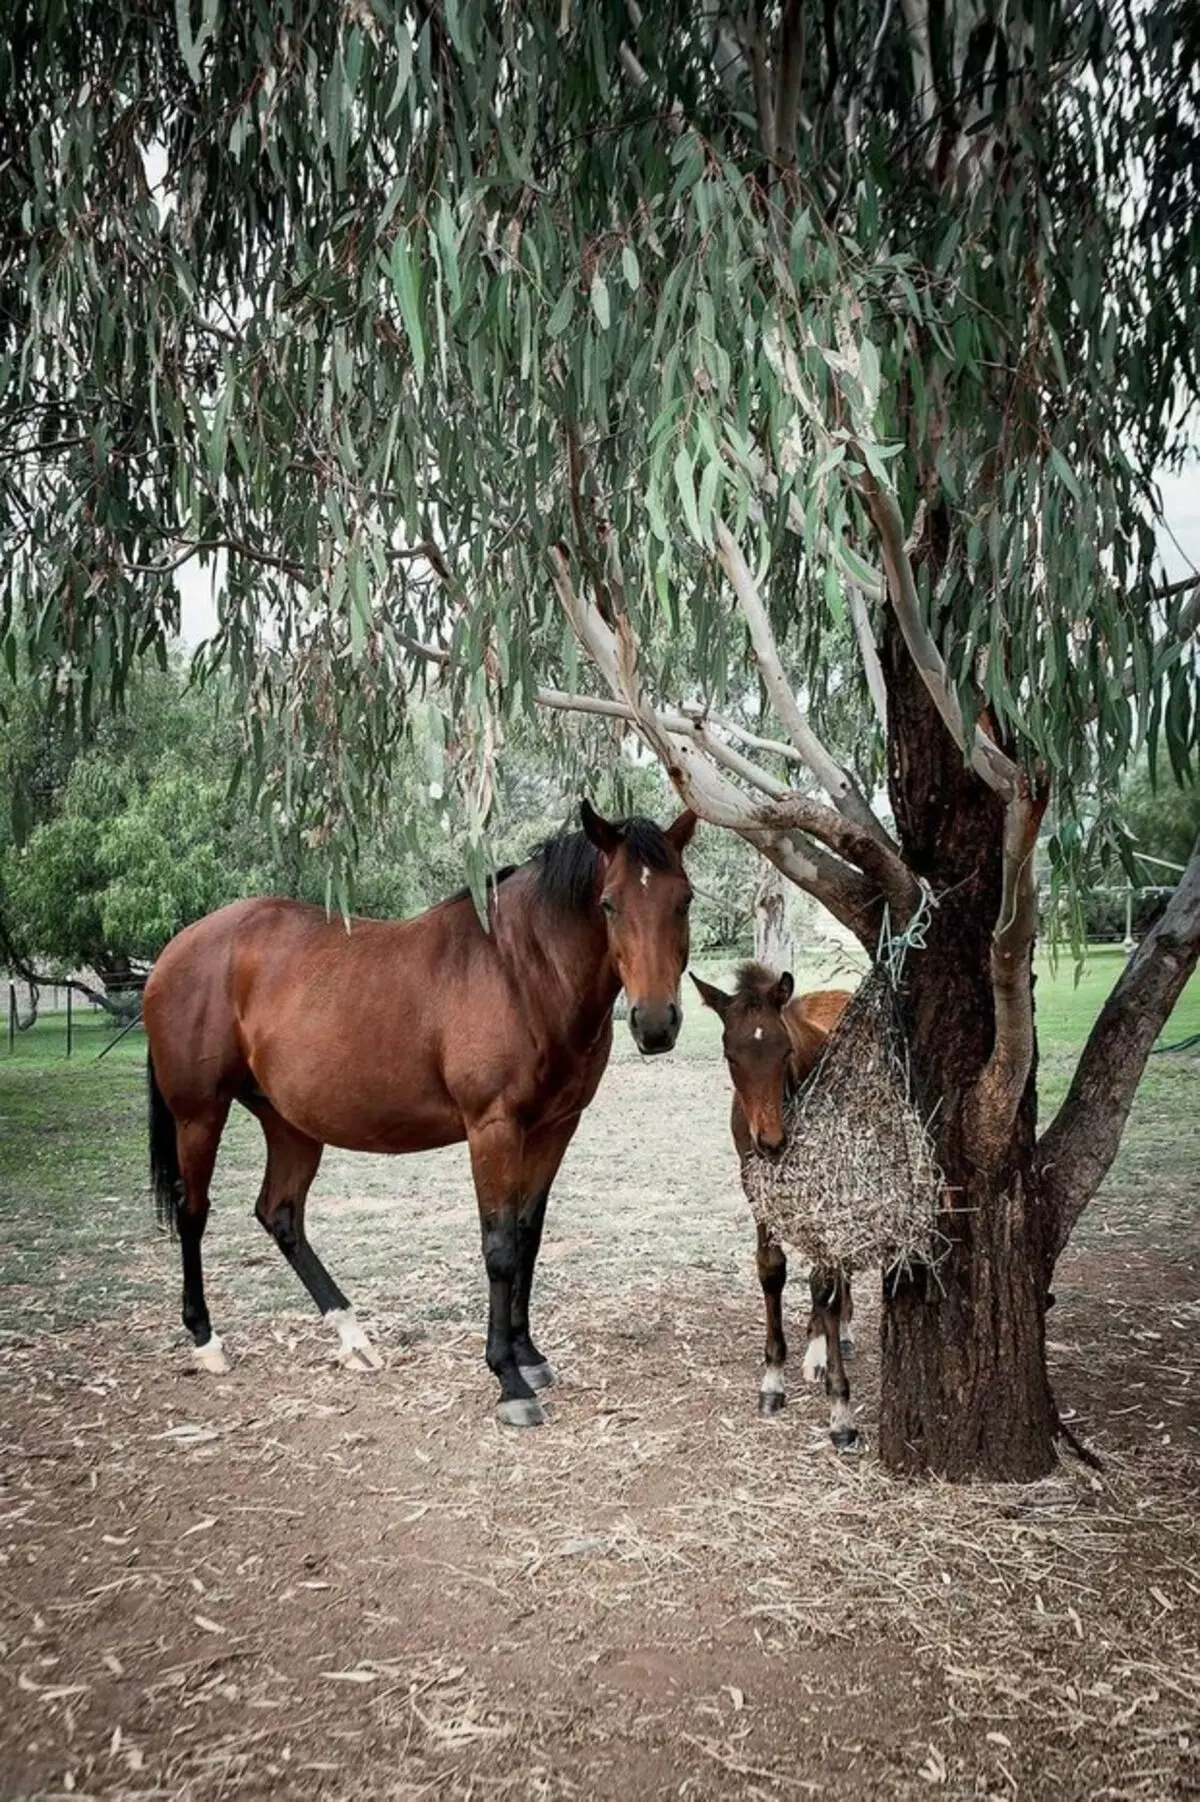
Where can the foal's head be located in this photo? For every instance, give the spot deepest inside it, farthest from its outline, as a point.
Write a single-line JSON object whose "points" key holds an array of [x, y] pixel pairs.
{"points": [[758, 1048], [645, 896]]}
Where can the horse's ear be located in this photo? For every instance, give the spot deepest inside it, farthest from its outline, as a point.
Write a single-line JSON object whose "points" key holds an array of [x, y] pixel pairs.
{"points": [[680, 831], [785, 988], [603, 833], [711, 995]]}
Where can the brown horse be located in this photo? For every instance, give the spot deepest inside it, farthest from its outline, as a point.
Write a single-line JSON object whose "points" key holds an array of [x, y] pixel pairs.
{"points": [[402, 1036], [773, 1039]]}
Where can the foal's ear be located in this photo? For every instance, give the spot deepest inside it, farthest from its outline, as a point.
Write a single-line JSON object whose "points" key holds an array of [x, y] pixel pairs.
{"points": [[680, 831], [785, 988], [603, 833], [711, 995]]}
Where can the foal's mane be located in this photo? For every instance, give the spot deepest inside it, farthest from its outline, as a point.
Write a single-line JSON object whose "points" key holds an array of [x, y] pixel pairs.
{"points": [[565, 864], [754, 984]]}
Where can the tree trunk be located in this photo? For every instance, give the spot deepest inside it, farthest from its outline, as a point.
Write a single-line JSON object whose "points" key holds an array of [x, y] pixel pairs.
{"points": [[964, 1383], [772, 945]]}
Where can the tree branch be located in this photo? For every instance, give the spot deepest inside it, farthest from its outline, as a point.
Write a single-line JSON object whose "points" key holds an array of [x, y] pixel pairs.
{"points": [[997, 1096], [849, 894], [986, 757], [847, 797], [1078, 1147], [856, 601]]}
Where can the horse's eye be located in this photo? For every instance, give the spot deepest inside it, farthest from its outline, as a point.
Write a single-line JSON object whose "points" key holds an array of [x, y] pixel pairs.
{"points": [[610, 907]]}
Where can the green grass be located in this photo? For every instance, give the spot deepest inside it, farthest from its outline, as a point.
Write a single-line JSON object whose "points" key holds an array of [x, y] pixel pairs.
{"points": [[75, 1221]]}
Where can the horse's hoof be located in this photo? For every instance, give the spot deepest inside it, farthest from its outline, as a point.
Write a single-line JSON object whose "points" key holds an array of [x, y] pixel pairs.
{"points": [[538, 1376], [363, 1358], [770, 1401], [845, 1439], [521, 1411], [210, 1357], [847, 1345]]}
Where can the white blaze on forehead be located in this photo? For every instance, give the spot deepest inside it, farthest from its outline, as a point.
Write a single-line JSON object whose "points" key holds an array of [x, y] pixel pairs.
{"points": [[645, 876], [758, 1032]]}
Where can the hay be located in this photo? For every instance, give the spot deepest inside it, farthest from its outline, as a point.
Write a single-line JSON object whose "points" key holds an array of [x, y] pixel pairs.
{"points": [[858, 1183]]}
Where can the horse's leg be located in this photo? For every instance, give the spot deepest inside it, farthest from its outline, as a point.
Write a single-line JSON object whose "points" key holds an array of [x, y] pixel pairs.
{"points": [[197, 1140], [543, 1155], [292, 1161], [847, 1314], [815, 1356], [496, 1160], [828, 1291], [772, 1274]]}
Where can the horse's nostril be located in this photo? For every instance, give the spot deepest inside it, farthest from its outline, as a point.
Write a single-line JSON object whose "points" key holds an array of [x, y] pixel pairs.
{"points": [[673, 1016], [633, 1018]]}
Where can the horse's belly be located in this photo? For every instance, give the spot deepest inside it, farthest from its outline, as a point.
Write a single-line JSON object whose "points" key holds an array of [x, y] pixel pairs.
{"points": [[337, 1099]]}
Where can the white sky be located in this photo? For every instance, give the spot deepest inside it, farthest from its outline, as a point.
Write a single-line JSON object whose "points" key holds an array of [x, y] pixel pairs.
{"points": [[1179, 548]]}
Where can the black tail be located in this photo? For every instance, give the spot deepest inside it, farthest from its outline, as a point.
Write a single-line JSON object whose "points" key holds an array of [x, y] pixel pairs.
{"points": [[165, 1175]]}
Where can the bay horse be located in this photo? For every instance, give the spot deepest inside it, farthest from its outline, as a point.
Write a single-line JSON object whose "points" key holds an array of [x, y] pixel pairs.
{"points": [[773, 1039], [397, 1036]]}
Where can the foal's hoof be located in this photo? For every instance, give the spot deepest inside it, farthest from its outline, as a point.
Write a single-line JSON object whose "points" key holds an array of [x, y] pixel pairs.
{"points": [[362, 1358], [210, 1358], [770, 1401], [538, 1376], [845, 1439], [521, 1411]]}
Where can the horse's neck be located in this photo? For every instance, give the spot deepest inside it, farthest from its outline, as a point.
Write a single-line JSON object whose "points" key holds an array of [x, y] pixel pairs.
{"points": [[562, 960]]}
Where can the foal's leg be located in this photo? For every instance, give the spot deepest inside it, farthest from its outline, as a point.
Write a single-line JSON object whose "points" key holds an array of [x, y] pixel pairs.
{"points": [[496, 1161], [543, 1155], [828, 1290], [197, 1140], [847, 1314], [772, 1274], [292, 1161]]}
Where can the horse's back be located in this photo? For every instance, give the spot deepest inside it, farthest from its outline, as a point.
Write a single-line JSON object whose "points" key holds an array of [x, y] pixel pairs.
{"points": [[809, 1020]]}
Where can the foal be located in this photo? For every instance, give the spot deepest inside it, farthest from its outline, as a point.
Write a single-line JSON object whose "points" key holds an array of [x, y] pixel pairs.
{"points": [[401, 1036], [773, 1039]]}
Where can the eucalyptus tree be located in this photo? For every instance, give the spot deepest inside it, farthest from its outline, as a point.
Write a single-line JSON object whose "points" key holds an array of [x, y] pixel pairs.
{"points": [[725, 371]]}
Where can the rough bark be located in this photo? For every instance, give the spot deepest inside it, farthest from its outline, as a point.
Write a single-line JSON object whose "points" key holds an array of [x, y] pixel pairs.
{"points": [[771, 943], [964, 1384]]}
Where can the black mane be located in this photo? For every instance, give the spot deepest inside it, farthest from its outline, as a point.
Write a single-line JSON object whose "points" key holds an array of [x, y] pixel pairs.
{"points": [[566, 863]]}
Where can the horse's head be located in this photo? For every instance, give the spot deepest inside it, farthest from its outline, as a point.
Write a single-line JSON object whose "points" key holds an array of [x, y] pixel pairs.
{"points": [[758, 1048], [645, 896], [773, 1040]]}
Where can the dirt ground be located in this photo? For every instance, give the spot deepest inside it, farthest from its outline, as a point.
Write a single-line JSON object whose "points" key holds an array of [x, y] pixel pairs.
{"points": [[296, 1581]]}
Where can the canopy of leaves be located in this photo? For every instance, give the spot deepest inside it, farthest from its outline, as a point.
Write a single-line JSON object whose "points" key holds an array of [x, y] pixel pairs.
{"points": [[375, 303]]}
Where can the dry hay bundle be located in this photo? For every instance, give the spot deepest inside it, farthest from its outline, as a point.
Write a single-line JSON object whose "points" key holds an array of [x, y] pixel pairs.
{"points": [[857, 1183]]}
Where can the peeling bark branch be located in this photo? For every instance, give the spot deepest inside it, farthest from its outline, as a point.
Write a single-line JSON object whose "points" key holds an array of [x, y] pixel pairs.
{"points": [[847, 797], [856, 601], [850, 895], [986, 757], [993, 1106], [1078, 1147]]}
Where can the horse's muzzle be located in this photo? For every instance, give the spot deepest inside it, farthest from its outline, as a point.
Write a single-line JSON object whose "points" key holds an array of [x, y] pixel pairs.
{"points": [[655, 1026], [771, 1149]]}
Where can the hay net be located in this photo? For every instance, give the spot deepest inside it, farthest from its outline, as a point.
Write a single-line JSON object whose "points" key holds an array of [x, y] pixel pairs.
{"points": [[857, 1183]]}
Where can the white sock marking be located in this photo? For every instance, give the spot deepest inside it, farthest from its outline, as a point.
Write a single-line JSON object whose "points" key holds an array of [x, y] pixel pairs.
{"points": [[814, 1359], [355, 1349], [772, 1380], [211, 1356], [841, 1416]]}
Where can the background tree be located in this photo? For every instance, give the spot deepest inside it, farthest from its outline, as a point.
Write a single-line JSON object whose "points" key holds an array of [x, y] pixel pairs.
{"points": [[845, 347]]}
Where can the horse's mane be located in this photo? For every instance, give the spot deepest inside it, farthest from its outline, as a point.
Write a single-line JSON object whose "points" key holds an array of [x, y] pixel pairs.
{"points": [[566, 863], [753, 981]]}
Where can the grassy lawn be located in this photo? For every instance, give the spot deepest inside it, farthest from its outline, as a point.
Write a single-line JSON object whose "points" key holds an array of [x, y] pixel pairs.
{"points": [[75, 1221]]}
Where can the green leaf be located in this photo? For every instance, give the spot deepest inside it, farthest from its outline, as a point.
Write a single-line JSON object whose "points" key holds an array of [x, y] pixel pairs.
{"points": [[682, 471], [560, 317], [404, 282], [629, 265]]}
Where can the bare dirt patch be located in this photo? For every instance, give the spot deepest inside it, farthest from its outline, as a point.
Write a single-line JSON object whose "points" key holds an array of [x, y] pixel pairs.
{"points": [[300, 1582]]}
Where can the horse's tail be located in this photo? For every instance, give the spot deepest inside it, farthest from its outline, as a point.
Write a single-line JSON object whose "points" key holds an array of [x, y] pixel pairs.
{"points": [[165, 1174]]}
